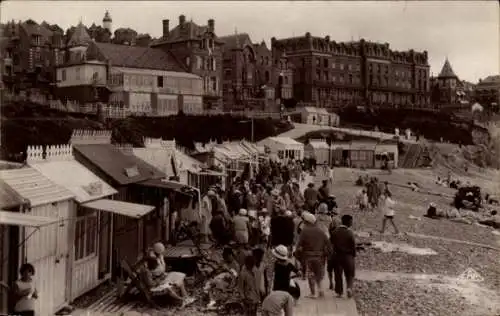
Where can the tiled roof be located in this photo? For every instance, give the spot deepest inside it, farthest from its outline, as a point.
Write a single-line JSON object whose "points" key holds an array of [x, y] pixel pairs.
{"points": [[33, 186], [80, 36], [113, 162], [32, 28], [189, 30], [8, 197], [236, 40], [447, 71], [139, 57]]}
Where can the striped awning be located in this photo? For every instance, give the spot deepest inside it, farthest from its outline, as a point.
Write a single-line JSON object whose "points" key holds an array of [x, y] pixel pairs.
{"points": [[119, 207], [23, 219]]}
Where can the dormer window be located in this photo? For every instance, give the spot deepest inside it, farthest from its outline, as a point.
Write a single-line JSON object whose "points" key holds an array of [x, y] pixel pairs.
{"points": [[36, 39]]}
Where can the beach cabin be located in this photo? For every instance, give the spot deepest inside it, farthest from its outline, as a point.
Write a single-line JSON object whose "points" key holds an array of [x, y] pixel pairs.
{"points": [[174, 162], [41, 235], [9, 239], [340, 153], [284, 148], [90, 262], [318, 116], [318, 149], [144, 222], [362, 153], [386, 149]]}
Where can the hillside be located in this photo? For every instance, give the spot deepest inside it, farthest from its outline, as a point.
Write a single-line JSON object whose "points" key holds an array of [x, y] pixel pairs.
{"points": [[26, 124]]}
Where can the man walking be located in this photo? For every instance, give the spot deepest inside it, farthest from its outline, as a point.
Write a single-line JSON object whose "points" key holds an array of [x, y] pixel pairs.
{"points": [[344, 248], [313, 248]]}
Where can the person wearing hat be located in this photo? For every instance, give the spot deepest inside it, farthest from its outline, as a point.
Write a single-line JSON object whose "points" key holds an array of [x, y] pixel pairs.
{"points": [[324, 219], [278, 204], [313, 248], [388, 207], [241, 227], [283, 268], [344, 249]]}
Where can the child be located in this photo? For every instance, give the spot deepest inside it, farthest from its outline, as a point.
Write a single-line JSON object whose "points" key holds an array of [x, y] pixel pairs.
{"points": [[249, 287], [280, 302], [362, 198], [283, 269], [388, 207], [265, 225]]}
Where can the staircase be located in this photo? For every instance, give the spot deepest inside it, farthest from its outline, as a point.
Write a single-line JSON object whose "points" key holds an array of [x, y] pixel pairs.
{"points": [[411, 158]]}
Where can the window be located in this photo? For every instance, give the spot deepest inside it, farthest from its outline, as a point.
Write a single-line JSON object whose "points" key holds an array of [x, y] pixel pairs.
{"points": [[159, 81], [317, 62], [63, 75], [214, 83], [85, 235], [267, 76], [286, 80], [341, 66], [326, 76], [188, 61], [325, 63], [77, 73], [214, 64], [227, 73], [318, 75], [303, 62]]}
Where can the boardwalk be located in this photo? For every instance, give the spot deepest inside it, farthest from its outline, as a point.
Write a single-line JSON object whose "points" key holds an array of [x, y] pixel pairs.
{"points": [[330, 305]]}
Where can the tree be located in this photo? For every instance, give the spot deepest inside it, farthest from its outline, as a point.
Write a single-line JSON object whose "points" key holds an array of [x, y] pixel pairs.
{"points": [[124, 36]]}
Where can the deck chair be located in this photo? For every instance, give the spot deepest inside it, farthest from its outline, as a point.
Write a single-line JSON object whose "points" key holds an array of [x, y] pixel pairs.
{"points": [[137, 283]]}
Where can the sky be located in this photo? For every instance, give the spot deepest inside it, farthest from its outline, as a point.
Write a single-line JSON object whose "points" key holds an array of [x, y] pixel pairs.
{"points": [[465, 32]]}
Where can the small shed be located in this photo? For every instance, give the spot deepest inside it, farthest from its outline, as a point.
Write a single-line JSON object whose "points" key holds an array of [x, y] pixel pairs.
{"points": [[386, 149], [90, 263], [134, 232], [318, 149], [340, 153], [285, 148], [318, 116], [43, 235], [9, 200], [362, 154]]}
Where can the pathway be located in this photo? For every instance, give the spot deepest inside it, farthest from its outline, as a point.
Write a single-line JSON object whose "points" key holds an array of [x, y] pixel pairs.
{"points": [[330, 305]]}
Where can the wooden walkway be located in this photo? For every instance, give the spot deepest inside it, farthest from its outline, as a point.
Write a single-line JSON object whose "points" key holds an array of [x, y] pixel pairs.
{"points": [[330, 305]]}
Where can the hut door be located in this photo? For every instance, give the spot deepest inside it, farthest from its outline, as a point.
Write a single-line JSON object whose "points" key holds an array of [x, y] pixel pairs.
{"points": [[104, 243]]}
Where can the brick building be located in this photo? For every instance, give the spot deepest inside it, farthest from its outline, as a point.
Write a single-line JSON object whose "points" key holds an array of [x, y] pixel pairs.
{"points": [[448, 91], [252, 78], [487, 93], [29, 55], [200, 51], [334, 75]]}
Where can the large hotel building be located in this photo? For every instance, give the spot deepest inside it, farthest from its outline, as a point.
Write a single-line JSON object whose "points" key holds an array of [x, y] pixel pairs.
{"points": [[360, 73]]}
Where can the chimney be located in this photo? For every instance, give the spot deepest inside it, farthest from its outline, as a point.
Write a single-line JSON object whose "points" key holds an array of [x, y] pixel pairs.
{"points": [[211, 25], [182, 19], [165, 28]]}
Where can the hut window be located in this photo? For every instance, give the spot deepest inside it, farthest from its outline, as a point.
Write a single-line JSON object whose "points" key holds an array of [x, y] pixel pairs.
{"points": [[85, 236], [391, 156]]}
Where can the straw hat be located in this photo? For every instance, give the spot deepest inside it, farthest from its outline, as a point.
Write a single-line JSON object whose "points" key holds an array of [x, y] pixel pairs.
{"points": [[280, 252], [242, 212], [288, 213], [309, 218], [159, 248]]}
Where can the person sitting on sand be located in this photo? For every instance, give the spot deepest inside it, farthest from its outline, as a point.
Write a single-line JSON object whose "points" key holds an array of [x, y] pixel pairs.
{"points": [[170, 284]]}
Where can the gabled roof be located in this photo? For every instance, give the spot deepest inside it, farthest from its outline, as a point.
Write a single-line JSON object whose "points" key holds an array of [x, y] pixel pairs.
{"points": [[85, 185], [187, 31], [80, 36], [235, 41], [33, 186], [33, 28], [115, 164], [138, 57], [447, 71]]}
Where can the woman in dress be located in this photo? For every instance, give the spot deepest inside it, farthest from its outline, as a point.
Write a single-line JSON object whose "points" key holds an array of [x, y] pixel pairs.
{"points": [[25, 291]]}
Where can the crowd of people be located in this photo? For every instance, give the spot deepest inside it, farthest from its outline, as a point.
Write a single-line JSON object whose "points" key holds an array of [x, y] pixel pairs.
{"points": [[274, 229]]}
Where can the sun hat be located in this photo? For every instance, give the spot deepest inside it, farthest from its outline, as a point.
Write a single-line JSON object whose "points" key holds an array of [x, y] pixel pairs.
{"points": [[280, 252], [264, 210], [211, 192], [309, 218], [275, 192], [288, 213], [242, 212], [159, 248], [433, 204]]}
